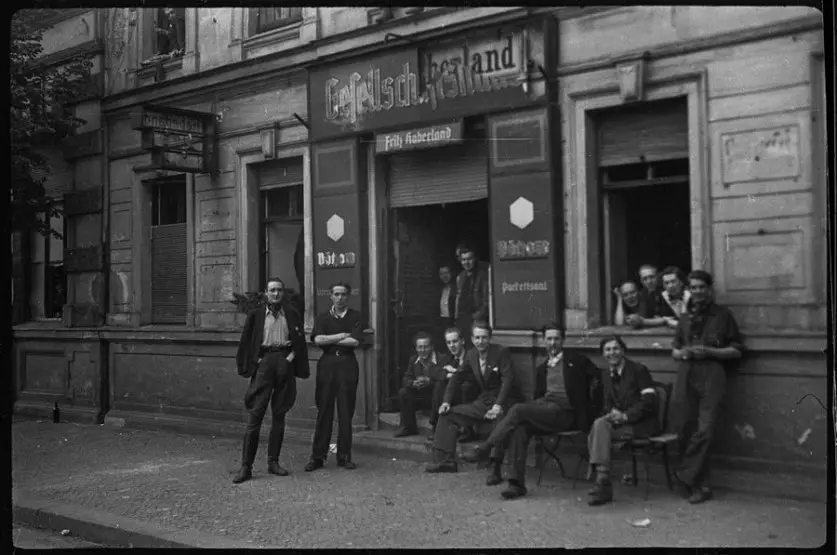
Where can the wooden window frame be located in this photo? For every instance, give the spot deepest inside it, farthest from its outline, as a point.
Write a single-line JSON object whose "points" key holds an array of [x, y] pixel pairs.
{"points": [[257, 28], [46, 271], [266, 220]]}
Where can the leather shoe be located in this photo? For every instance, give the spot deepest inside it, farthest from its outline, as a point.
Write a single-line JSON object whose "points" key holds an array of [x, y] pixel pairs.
{"points": [[435, 468], [603, 493], [273, 467], [314, 464], [244, 474], [513, 491], [402, 432], [478, 454], [348, 464], [700, 494]]}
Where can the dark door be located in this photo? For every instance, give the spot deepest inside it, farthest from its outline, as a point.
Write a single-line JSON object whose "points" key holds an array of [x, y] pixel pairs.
{"points": [[413, 277]]}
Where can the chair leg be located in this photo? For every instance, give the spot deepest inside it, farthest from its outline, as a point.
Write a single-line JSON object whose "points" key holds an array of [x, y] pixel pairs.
{"points": [[666, 466], [647, 471]]}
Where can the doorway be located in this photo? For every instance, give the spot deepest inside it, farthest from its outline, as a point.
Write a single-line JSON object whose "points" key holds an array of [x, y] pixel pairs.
{"points": [[421, 239]]}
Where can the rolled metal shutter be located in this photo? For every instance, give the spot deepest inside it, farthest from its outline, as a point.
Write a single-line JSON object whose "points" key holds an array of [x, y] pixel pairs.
{"points": [[455, 173], [648, 132], [168, 274]]}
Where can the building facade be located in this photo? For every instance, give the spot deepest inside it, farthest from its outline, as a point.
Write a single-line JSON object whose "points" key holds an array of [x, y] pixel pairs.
{"points": [[568, 145]]}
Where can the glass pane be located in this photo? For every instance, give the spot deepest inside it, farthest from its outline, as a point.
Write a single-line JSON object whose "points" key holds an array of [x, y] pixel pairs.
{"points": [[169, 203], [36, 295], [283, 259], [56, 246], [284, 202], [57, 293]]}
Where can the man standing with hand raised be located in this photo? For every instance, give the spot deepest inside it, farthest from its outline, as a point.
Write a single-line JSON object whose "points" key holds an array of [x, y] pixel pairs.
{"points": [[337, 332], [272, 353]]}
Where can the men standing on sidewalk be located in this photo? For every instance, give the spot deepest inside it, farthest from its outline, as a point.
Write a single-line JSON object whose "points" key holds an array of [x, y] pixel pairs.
{"points": [[272, 353], [491, 365], [706, 336], [566, 398], [337, 332], [630, 412]]}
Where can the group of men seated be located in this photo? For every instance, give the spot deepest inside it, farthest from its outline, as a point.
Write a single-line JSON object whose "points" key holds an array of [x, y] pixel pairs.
{"points": [[572, 394], [659, 302]]}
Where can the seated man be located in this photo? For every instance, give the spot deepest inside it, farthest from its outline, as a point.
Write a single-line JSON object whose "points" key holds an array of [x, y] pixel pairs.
{"points": [[675, 296], [630, 411], [449, 364], [418, 380], [632, 309], [491, 366], [565, 400]]}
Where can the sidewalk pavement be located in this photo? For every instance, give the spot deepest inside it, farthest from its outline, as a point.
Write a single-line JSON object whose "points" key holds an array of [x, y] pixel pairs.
{"points": [[158, 489]]}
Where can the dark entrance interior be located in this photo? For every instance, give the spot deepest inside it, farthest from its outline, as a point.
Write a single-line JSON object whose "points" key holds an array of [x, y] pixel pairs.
{"points": [[422, 238]]}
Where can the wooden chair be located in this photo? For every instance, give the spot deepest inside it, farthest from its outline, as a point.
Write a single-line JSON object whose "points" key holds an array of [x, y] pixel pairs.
{"points": [[657, 443], [543, 443]]}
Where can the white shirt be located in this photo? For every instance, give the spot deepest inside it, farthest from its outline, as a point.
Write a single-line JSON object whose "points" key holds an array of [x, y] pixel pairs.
{"points": [[444, 304], [334, 312]]}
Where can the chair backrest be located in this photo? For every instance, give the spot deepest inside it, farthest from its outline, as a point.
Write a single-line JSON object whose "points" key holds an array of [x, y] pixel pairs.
{"points": [[663, 401]]}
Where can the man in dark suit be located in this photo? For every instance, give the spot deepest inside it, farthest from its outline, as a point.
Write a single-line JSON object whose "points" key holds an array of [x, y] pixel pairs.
{"points": [[449, 364], [630, 406], [272, 353], [471, 290], [491, 367], [566, 398], [421, 377]]}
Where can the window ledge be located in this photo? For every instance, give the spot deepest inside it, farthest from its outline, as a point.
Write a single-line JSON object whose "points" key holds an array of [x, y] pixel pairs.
{"points": [[274, 36], [148, 68]]}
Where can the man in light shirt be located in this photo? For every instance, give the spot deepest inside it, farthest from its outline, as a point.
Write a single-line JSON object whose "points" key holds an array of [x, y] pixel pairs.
{"points": [[566, 398], [675, 296], [420, 379]]}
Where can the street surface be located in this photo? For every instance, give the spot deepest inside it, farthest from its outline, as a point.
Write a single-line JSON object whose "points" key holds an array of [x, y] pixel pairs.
{"points": [[24, 537], [179, 481]]}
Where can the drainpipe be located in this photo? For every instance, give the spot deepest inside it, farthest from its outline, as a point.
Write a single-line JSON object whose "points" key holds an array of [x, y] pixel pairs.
{"points": [[104, 369]]}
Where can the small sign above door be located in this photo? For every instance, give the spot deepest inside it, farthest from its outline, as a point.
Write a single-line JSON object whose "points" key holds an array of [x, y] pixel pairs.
{"points": [[424, 137]]}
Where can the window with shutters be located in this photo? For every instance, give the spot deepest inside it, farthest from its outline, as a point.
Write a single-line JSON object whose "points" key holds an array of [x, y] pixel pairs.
{"points": [[644, 183], [282, 236], [266, 19], [168, 252], [48, 293]]}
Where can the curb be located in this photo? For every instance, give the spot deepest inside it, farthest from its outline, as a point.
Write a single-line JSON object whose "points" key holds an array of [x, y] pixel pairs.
{"points": [[114, 531]]}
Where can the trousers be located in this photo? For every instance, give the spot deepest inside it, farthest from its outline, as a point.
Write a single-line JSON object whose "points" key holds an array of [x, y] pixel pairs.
{"points": [[274, 383], [337, 379], [601, 438], [698, 393], [407, 396]]}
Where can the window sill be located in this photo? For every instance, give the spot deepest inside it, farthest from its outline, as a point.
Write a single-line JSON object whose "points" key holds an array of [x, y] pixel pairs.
{"points": [[272, 37], [148, 69]]}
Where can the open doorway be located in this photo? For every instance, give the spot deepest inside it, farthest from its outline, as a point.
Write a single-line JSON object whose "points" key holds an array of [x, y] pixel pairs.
{"points": [[423, 238]]}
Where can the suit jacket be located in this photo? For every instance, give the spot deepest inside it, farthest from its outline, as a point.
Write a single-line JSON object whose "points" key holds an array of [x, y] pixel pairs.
{"points": [[628, 397], [497, 388], [582, 383], [416, 369], [247, 357], [439, 372], [474, 305], [451, 299]]}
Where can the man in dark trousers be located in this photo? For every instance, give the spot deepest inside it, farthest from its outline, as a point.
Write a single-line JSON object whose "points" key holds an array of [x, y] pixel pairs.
{"points": [[449, 364], [337, 332], [566, 397], [706, 336], [491, 366], [630, 406], [471, 291], [272, 353], [421, 377]]}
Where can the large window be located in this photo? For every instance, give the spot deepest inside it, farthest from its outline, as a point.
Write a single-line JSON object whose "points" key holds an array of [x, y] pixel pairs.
{"points": [[49, 283], [282, 245], [265, 19], [168, 251], [169, 31]]}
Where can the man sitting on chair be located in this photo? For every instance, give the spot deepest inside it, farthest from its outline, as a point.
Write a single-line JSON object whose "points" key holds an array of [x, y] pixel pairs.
{"points": [[630, 412], [565, 400]]}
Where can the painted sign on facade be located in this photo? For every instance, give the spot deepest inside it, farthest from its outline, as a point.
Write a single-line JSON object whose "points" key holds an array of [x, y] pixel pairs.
{"points": [[760, 154], [425, 137], [178, 140], [469, 75]]}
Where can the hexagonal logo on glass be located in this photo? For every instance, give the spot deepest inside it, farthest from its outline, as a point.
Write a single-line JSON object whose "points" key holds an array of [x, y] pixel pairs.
{"points": [[521, 212], [335, 228]]}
